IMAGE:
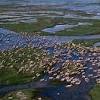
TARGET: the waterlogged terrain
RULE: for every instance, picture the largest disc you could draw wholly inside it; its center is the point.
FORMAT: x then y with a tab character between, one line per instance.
49	49
60	67
73	17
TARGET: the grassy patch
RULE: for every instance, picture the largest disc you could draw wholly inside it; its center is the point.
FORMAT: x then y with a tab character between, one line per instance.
82	30
10	76
95	93
87	43
33	27
27	27
45	22
57	82
30	94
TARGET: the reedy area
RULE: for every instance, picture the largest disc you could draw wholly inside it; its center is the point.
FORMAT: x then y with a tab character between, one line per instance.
25	95
87	43
95	93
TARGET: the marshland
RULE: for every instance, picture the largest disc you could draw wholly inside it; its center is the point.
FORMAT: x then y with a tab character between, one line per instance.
49	50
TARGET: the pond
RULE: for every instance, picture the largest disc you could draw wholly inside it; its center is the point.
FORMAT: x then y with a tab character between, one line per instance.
59	27
97	44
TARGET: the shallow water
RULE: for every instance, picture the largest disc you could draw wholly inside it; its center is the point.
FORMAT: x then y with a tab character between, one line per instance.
75	93
97	44
10	39
7	41
59	27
